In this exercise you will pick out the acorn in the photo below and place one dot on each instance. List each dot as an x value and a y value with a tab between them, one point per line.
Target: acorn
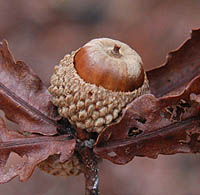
93	85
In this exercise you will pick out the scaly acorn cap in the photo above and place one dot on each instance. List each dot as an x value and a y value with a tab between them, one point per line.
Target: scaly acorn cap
53	166
94	84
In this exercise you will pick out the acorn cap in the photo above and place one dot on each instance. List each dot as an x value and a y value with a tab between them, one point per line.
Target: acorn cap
53	166
94	84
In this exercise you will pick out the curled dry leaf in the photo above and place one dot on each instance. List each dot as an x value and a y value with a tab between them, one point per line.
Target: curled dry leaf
26	101
165	125
23	97
32	151
181	66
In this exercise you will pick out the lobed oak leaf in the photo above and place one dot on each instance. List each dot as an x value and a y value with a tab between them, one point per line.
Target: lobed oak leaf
26	101
31	150
167	125
23	97
181	66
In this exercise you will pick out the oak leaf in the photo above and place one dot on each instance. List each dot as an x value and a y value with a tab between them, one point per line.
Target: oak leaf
26	101
23	97
165	125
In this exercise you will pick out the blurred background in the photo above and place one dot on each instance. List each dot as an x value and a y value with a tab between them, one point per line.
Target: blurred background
42	32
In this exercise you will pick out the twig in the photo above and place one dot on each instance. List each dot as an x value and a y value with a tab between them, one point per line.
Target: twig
90	168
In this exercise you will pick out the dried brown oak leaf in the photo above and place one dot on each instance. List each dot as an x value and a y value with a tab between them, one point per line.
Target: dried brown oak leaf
23	97
181	66
166	125
31	150
26	101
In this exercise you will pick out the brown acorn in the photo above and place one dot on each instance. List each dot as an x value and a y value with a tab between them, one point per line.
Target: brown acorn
94	84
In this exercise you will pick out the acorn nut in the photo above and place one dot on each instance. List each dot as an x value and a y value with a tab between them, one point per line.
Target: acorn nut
96	82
